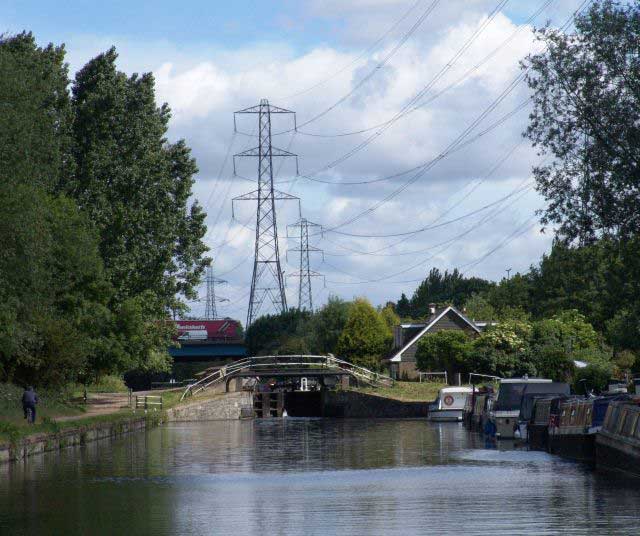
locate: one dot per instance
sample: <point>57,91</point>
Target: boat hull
<point>445,415</point>
<point>577,447</point>
<point>616,454</point>
<point>538,436</point>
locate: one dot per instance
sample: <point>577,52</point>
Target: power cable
<point>363,54</point>
<point>379,66</point>
<point>518,232</point>
<point>449,86</point>
<point>451,146</point>
<point>448,242</point>
<point>376,253</point>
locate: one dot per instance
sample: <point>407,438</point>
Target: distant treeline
<point>600,280</point>
<point>98,239</point>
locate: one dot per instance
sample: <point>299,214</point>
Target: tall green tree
<point>35,113</point>
<point>326,325</point>
<point>273,334</point>
<point>53,292</point>
<point>448,287</point>
<point>586,115</point>
<point>477,307</point>
<point>364,339</point>
<point>135,186</point>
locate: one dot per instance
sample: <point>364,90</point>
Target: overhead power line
<point>510,87</point>
<point>360,56</point>
<point>448,243</point>
<point>376,253</point>
<point>412,106</point>
<point>378,66</point>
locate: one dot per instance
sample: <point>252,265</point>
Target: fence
<point>148,402</point>
<point>437,375</point>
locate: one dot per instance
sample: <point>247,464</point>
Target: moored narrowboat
<point>506,408</point>
<point>532,394</point>
<point>572,433</point>
<point>618,441</point>
<point>478,406</point>
<point>544,412</point>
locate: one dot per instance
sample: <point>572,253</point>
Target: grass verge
<point>52,406</point>
<point>406,391</point>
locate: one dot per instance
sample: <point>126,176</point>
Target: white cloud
<point>204,86</point>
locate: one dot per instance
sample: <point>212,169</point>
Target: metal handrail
<point>148,402</point>
<point>482,376</point>
<point>326,361</point>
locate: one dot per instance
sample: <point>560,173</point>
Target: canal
<point>290,476</point>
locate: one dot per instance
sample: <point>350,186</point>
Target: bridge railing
<point>287,361</point>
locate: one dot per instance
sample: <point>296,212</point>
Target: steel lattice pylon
<point>267,281</point>
<point>210,309</point>
<point>305,296</point>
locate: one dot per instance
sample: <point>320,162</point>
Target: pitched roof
<point>430,323</point>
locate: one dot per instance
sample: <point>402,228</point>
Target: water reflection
<point>309,476</point>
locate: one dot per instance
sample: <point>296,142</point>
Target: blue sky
<point>226,24</point>
<point>211,58</point>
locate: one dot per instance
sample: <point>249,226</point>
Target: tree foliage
<point>269,334</point>
<point>448,287</point>
<point>587,116</point>
<point>35,113</point>
<point>99,239</point>
<point>364,339</point>
<point>444,350</point>
<point>135,185</point>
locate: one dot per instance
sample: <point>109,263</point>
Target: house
<point>402,363</point>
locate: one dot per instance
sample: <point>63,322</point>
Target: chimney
<point>432,308</point>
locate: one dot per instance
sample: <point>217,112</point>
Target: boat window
<point>630,424</point>
<point>620,423</point>
<point>611,417</point>
<point>509,396</point>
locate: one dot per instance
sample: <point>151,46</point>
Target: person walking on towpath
<point>29,401</point>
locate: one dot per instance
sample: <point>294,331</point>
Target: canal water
<point>325,477</point>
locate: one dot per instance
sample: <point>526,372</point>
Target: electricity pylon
<point>267,280</point>
<point>210,310</point>
<point>305,295</point>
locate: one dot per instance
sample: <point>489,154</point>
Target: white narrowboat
<point>450,403</point>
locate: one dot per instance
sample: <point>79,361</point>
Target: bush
<point>108,384</point>
<point>596,375</point>
<point>444,350</point>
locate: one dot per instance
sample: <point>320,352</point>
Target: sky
<point>379,87</point>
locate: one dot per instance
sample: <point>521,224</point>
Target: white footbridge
<point>288,365</point>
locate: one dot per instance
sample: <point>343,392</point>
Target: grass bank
<point>52,405</point>
<point>55,408</point>
<point>406,391</point>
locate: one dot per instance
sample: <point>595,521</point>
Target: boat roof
<point>525,380</point>
<point>457,389</point>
